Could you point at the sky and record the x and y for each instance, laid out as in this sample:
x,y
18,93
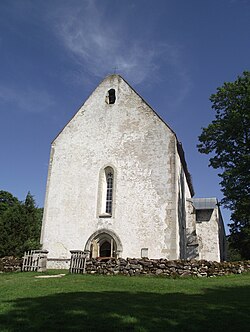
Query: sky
x,y
54,53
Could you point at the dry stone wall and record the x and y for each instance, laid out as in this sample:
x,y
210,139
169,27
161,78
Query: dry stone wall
x,y
10,264
163,267
158,267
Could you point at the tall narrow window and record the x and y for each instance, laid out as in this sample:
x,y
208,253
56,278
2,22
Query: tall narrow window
x,y
111,96
109,194
106,194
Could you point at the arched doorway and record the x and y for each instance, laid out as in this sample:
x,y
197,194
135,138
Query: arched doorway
x,y
103,243
105,249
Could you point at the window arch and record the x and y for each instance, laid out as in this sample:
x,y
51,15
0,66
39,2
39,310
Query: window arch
x,y
109,190
106,192
111,96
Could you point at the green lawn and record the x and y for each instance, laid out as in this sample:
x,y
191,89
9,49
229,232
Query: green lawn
x,y
117,303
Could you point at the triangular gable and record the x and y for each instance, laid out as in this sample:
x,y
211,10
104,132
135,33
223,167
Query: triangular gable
x,y
179,145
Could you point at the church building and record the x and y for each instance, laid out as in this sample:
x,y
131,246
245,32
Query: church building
x,y
118,186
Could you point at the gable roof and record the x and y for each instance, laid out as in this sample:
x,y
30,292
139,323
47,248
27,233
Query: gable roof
x,y
179,145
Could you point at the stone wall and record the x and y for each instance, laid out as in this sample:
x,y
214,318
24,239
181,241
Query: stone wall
x,y
163,267
158,267
10,264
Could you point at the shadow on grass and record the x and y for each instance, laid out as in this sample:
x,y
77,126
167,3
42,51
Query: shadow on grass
x,y
214,310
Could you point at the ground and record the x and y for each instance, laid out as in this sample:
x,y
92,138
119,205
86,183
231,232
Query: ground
x,y
117,303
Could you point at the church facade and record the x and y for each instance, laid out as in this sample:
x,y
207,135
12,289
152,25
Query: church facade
x,y
118,186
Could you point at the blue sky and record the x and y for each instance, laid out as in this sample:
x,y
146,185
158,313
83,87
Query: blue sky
x,y
54,53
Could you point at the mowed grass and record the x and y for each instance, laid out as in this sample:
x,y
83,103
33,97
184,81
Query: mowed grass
x,y
117,303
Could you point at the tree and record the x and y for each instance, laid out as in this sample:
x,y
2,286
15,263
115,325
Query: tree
x,y
20,224
7,200
33,220
227,138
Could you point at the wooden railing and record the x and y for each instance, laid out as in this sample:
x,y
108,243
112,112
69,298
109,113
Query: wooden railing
x,y
35,260
78,261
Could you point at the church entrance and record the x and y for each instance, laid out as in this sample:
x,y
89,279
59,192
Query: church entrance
x,y
105,249
103,245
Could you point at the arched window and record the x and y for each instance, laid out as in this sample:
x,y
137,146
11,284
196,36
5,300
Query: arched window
x,y
106,192
111,96
109,191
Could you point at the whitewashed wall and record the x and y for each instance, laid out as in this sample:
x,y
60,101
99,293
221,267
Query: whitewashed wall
x,y
208,237
129,136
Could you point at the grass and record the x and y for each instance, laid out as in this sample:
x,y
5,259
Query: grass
x,y
99,303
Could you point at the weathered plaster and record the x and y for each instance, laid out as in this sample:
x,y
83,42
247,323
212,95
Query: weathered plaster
x,y
151,188
208,237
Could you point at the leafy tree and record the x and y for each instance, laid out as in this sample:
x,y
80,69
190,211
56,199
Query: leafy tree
x,y
20,224
7,200
227,138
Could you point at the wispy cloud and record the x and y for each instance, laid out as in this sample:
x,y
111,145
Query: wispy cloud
x,y
102,46
25,99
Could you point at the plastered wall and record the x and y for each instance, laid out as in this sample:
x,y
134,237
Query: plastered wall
x,y
132,139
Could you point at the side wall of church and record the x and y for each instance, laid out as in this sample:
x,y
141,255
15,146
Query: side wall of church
x,y
192,240
208,235
182,193
222,239
129,137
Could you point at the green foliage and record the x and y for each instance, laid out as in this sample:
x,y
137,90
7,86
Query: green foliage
x,y
239,241
6,200
227,138
20,225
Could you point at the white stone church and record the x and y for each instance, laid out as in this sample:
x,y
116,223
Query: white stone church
x,y
118,186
